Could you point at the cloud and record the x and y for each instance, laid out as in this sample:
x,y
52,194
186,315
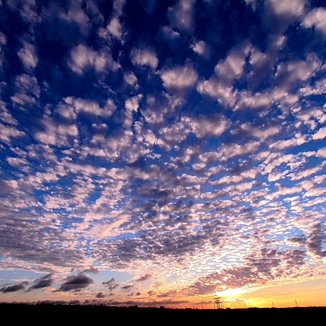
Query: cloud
x,y
27,91
83,59
179,78
92,270
288,74
316,18
13,288
320,134
100,295
27,55
127,288
75,283
111,284
201,48
86,106
233,66
56,133
213,87
8,133
322,152
181,15
114,27
144,57
279,14
130,78
204,126
43,282
143,278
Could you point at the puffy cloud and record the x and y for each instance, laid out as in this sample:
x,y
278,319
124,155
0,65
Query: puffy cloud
x,y
287,7
43,282
13,288
279,14
75,283
213,87
83,58
56,133
143,278
179,78
100,295
181,15
316,18
209,125
130,78
289,73
322,152
201,48
262,132
114,27
27,55
111,284
144,57
80,105
8,133
233,66
27,91
320,134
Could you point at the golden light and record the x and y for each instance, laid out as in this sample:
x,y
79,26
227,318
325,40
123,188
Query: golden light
x,y
230,292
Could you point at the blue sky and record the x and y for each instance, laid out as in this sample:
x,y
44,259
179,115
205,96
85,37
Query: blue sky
x,y
155,152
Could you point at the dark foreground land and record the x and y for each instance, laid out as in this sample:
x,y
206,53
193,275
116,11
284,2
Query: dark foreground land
x,y
64,314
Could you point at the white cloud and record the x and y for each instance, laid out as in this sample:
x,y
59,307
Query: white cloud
x,y
114,27
232,67
180,15
179,78
231,150
291,72
295,141
87,106
9,132
76,15
254,101
320,134
304,173
6,116
27,91
27,55
175,133
132,103
281,13
82,58
322,152
317,18
130,78
287,7
144,57
209,125
54,133
201,48
262,132
226,95
312,117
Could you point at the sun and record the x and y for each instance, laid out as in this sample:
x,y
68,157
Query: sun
x,y
229,292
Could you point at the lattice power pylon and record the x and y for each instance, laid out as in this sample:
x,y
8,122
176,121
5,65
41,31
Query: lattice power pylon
x,y
217,303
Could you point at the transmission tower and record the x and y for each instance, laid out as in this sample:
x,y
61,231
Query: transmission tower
x,y
217,303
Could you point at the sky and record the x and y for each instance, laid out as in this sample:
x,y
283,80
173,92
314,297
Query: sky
x,y
163,152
